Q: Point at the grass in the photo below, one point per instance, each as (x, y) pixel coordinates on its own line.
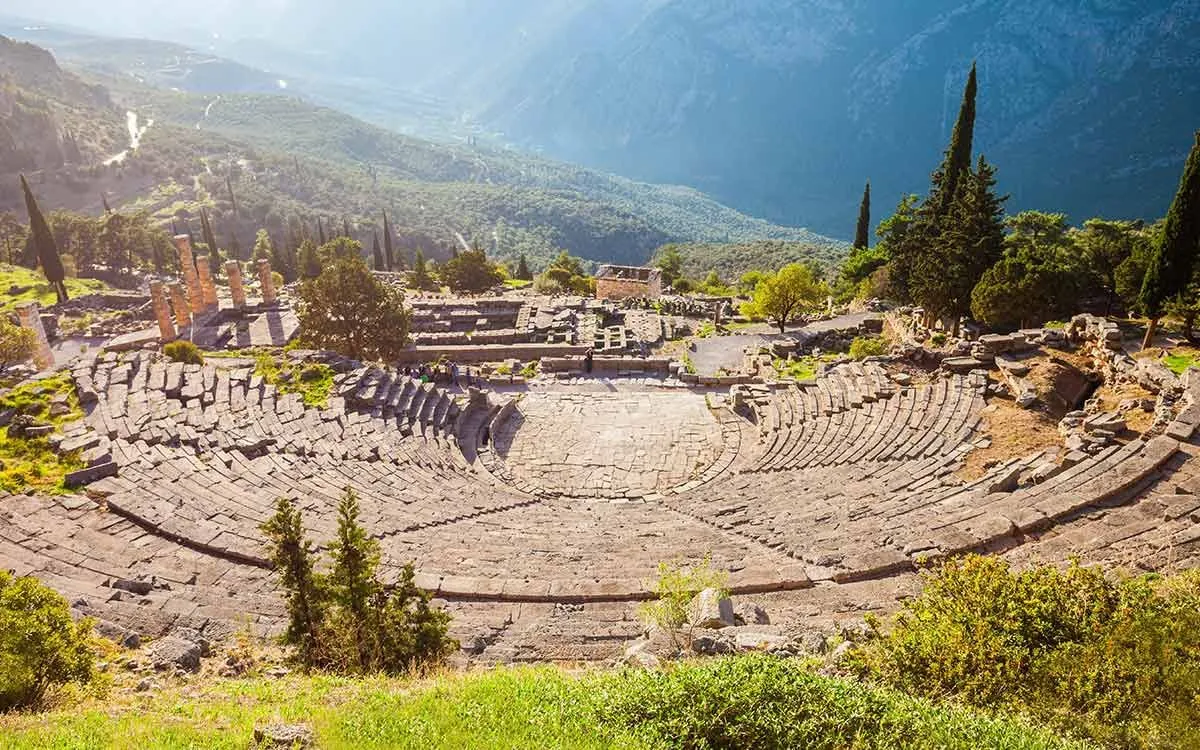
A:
(1180, 361)
(802, 368)
(517, 283)
(35, 288)
(30, 463)
(751, 702)
(313, 381)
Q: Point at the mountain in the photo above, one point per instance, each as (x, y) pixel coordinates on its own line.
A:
(778, 108)
(783, 107)
(290, 161)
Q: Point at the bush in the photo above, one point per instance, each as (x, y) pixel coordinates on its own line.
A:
(41, 647)
(185, 352)
(762, 702)
(867, 346)
(673, 591)
(938, 339)
(348, 621)
(1117, 660)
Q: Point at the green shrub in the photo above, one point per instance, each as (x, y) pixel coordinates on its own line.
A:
(185, 352)
(938, 339)
(41, 647)
(1116, 660)
(673, 591)
(348, 621)
(868, 346)
(762, 702)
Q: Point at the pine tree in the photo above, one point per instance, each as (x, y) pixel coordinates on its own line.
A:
(377, 254)
(1173, 263)
(523, 269)
(310, 260)
(388, 252)
(292, 556)
(862, 233)
(43, 242)
(419, 277)
(971, 242)
(352, 583)
(210, 239)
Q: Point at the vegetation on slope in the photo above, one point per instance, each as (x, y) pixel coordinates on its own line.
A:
(20, 284)
(30, 462)
(731, 260)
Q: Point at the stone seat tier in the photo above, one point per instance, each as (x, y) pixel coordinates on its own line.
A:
(832, 423)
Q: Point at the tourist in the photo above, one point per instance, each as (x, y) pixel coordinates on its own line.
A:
(587, 361)
(453, 374)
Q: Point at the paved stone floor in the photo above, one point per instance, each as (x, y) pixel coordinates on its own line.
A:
(609, 444)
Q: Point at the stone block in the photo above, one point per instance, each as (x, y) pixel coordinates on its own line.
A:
(711, 610)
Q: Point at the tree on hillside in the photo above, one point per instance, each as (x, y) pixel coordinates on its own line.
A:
(471, 272)
(419, 277)
(346, 227)
(670, 262)
(971, 241)
(523, 273)
(310, 260)
(232, 198)
(337, 249)
(782, 296)
(1107, 246)
(262, 246)
(235, 247)
(104, 202)
(923, 234)
(1040, 277)
(389, 253)
(1174, 259)
(16, 343)
(210, 239)
(349, 311)
(43, 241)
(320, 232)
(862, 232)
(377, 255)
(565, 274)
(13, 235)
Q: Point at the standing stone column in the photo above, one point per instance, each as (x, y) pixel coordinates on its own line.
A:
(233, 272)
(162, 311)
(195, 294)
(264, 280)
(208, 287)
(30, 316)
(179, 301)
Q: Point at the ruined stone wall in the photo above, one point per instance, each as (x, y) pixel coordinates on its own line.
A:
(625, 288)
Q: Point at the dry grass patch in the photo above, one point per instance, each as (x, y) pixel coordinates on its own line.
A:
(1014, 432)
(1111, 396)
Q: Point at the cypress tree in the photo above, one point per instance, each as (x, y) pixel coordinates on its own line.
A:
(523, 269)
(957, 161)
(292, 555)
(378, 255)
(232, 197)
(387, 243)
(104, 200)
(320, 231)
(43, 242)
(235, 247)
(1173, 262)
(210, 239)
(346, 228)
(862, 233)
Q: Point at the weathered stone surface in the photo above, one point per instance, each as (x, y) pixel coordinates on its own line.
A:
(711, 610)
(284, 737)
(172, 651)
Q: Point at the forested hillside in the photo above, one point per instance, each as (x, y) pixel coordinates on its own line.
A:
(279, 162)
